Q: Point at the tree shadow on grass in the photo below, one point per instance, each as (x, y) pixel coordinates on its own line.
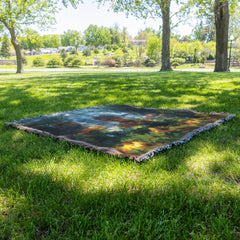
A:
(69, 90)
(110, 198)
(43, 205)
(39, 95)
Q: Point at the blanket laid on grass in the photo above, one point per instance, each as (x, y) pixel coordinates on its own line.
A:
(122, 130)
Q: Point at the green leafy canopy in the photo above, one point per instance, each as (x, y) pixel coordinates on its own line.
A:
(139, 8)
(204, 6)
(21, 13)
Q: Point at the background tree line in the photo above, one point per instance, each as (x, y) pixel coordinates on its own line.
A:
(196, 48)
(17, 15)
(94, 36)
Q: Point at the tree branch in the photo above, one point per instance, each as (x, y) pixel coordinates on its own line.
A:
(5, 23)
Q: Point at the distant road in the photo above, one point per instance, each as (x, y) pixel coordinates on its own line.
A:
(109, 70)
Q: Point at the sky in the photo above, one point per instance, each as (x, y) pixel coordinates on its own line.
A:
(88, 13)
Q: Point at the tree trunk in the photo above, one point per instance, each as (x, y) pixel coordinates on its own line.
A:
(165, 8)
(17, 48)
(221, 12)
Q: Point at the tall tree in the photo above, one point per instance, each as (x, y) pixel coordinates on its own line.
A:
(5, 49)
(166, 33)
(144, 9)
(144, 34)
(72, 38)
(97, 36)
(205, 32)
(221, 10)
(221, 13)
(16, 15)
(115, 35)
(124, 35)
(154, 48)
(51, 41)
(33, 39)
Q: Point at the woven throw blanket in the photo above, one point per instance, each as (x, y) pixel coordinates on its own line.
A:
(123, 130)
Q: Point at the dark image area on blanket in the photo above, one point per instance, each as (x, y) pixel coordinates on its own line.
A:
(125, 130)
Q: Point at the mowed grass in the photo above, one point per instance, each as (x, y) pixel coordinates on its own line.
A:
(52, 190)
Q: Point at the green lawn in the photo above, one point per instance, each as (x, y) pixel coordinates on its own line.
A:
(52, 190)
